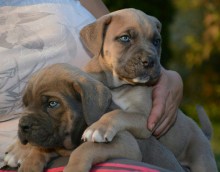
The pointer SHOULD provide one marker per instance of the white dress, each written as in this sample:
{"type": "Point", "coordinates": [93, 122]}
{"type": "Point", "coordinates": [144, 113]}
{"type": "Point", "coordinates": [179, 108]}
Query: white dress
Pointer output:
{"type": "Point", "coordinates": [34, 34]}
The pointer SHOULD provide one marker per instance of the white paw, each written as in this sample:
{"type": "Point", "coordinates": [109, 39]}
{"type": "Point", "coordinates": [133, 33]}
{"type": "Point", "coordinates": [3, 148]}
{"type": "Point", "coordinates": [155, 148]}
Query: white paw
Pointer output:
{"type": "Point", "coordinates": [16, 154]}
{"type": "Point", "coordinates": [11, 160]}
{"type": "Point", "coordinates": [93, 136]}
{"type": "Point", "coordinates": [99, 133]}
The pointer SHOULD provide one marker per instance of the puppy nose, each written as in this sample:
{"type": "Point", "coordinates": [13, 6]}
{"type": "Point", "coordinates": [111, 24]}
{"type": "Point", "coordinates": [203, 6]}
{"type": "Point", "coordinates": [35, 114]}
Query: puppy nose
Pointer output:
{"type": "Point", "coordinates": [25, 124]}
{"type": "Point", "coordinates": [148, 62]}
{"type": "Point", "coordinates": [25, 128]}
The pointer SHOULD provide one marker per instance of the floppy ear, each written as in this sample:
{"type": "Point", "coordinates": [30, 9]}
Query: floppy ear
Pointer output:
{"type": "Point", "coordinates": [96, 98]}
{"type": "Point", "coordinates": [93, 34]}
{"type": "Point", "coordinates": [25, 96]}
{"type": "Point", "coordinates": [27, 93]}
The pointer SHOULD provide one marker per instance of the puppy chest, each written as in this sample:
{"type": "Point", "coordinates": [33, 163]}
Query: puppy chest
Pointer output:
{"type": "Point", "coordinates": [133, 99]}
{"type": "Point", "coordinates": [120, 100]}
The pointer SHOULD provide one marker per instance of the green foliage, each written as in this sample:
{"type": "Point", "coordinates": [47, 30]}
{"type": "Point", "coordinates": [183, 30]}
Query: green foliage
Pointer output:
{"type": "Point", "coordinates": [195, 43]}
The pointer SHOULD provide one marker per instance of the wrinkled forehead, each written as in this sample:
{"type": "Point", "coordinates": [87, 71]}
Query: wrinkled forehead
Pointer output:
{"type": "Point", "coordinates": [44, 82]}
{"type": "Point", "coordinates": [123, 20]}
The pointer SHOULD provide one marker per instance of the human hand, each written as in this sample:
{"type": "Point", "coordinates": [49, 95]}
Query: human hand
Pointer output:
{"type": "Point", "coordinates": [167, 95]}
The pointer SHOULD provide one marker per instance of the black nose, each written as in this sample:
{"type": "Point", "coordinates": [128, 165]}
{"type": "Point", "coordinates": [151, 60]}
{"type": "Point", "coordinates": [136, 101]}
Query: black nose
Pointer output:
{"type": "Point", "coordinates": [25, 124]}
{"type": "Point", "coordinates": [148, 63]}
{"type": "Point", "coordinates": [25, 128]}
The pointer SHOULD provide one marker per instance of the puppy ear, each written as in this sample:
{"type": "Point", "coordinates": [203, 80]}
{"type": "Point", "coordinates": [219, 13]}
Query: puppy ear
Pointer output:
{"type": "Point", "coordinates": [158, 24]}
{"type": "Point", "coordinates": [93, 34]}
{"type": "Point", "coordinates": [26, 94]}
{"type": "Point", "coordinates": [25, 98]}
{"type": "Point", "coordinates": [96, 98]}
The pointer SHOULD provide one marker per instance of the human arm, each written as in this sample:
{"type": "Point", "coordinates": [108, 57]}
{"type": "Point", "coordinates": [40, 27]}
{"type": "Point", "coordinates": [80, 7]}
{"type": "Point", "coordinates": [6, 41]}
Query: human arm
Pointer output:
{"type": "Point", "coordinates": [96, 7]}
{"type": "Point", "coordinates": [167, 95]}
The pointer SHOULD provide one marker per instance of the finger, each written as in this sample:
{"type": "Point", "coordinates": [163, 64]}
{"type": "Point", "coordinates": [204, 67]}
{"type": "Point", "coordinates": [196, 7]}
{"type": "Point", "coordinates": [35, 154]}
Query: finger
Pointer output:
{"type": "Point", "coordinates": [160, 131]}
{"type": "Point", "coordinates": [158, 107]}
{"type": "Point", "coordinates": [167, 121]}
{"type": "Point", "coordinates": [157, 112]}
{"type": "Point", "coordinates": [164, 127]}
{"type": "Point", "coordinates": [161, 124]}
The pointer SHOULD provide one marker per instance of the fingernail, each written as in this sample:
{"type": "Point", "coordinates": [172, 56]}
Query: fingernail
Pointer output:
{"type": "Point", "coordinates": [151, 126]}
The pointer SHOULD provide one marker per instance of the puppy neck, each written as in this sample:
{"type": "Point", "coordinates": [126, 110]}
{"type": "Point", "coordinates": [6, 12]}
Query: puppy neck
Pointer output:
{"type": "Point", "coordinates": [101, 71]}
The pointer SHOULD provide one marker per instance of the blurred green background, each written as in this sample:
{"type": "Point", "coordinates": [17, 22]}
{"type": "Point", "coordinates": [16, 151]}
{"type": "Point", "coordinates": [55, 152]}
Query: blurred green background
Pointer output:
{"type": "Point", "coordinates": [191, 46]}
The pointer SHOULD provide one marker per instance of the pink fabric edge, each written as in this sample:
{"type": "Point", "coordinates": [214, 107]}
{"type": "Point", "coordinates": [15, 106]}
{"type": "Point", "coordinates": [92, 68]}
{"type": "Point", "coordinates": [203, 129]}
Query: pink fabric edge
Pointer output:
{"type": "Point", "coordinates": [119, 165]}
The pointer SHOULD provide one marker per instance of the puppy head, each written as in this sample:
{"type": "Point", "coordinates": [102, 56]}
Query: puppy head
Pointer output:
{"type": "Point", "coordinates": [129, 41]}
{"type": "Point", "coordinates": [59, 102]}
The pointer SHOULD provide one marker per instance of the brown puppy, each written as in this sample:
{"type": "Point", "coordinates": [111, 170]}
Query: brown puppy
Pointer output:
{"type": "Point", "coordinates": [127, 48]}
{"type": "Point", "coordinates": [59, 103]}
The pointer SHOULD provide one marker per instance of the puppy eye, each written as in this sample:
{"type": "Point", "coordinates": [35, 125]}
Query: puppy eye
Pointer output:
{"type": "Point", "coordinates": [156, 42]}
{"type": "Point", "coordinates": [53, 104]}
{"type": "Point", "coordinates": [124, 38]}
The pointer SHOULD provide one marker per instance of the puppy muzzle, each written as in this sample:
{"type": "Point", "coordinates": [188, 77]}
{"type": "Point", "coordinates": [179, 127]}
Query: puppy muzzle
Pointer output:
{"type": "Point", "coordinates": [140, 66]}
{"type": "Point", "coordinates": [38, 132]}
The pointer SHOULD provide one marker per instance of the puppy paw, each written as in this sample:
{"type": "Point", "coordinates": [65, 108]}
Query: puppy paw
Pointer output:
{"type": "Point", "coordinates": [36, 160]}
{"type": "Point", "coordinates": [31, 165]}
{"type": "Point", "coordinates": [16, 154]}
{"type": "Point", "coordinates": [99, 132]}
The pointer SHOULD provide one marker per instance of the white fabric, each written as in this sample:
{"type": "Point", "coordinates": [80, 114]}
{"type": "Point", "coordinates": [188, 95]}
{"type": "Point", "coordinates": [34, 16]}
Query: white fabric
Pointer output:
{"type": "Point", "coordinates": [34, 34]}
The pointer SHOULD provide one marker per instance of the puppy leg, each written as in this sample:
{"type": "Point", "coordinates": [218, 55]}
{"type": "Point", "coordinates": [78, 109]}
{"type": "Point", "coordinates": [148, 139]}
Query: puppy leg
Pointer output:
{"type": "Point", "coordinates": [112, 122]}
{"type": "Point", "coordinates": [153, 152]}
{"type": "Point", "coordinates": [122, 146]}
{"type": "Point", "coordinates": [28, 157]}
{"type": "Point", "coordinates": [16, 154]}
{"type": "Point", "coordinates": [36, 160]}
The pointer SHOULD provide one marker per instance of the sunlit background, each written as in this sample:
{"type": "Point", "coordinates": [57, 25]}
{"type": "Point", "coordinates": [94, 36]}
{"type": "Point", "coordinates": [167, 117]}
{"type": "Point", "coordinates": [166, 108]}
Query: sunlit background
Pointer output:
{"type": "Point", "coordinates": [191, 46]}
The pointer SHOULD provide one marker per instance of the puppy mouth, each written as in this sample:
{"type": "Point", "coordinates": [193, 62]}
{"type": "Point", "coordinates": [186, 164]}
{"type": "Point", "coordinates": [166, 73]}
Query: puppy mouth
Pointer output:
{"type": "Point", "coordinates": [134, 72]}
{"type": "Point", "coordinates": [146, 80]}
{"type": "Point", "coordinates": [24, 141]}
{"type": "Point", "coordinates": [142, 79]}
{"type": "Point", "coordinates": [46, 141]}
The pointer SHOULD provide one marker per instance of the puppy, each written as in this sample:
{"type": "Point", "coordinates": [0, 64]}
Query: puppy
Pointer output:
{"type": "Point", "coordinates": [59, 103]}
{"type": "Point", "coordinates": [127, 49]}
